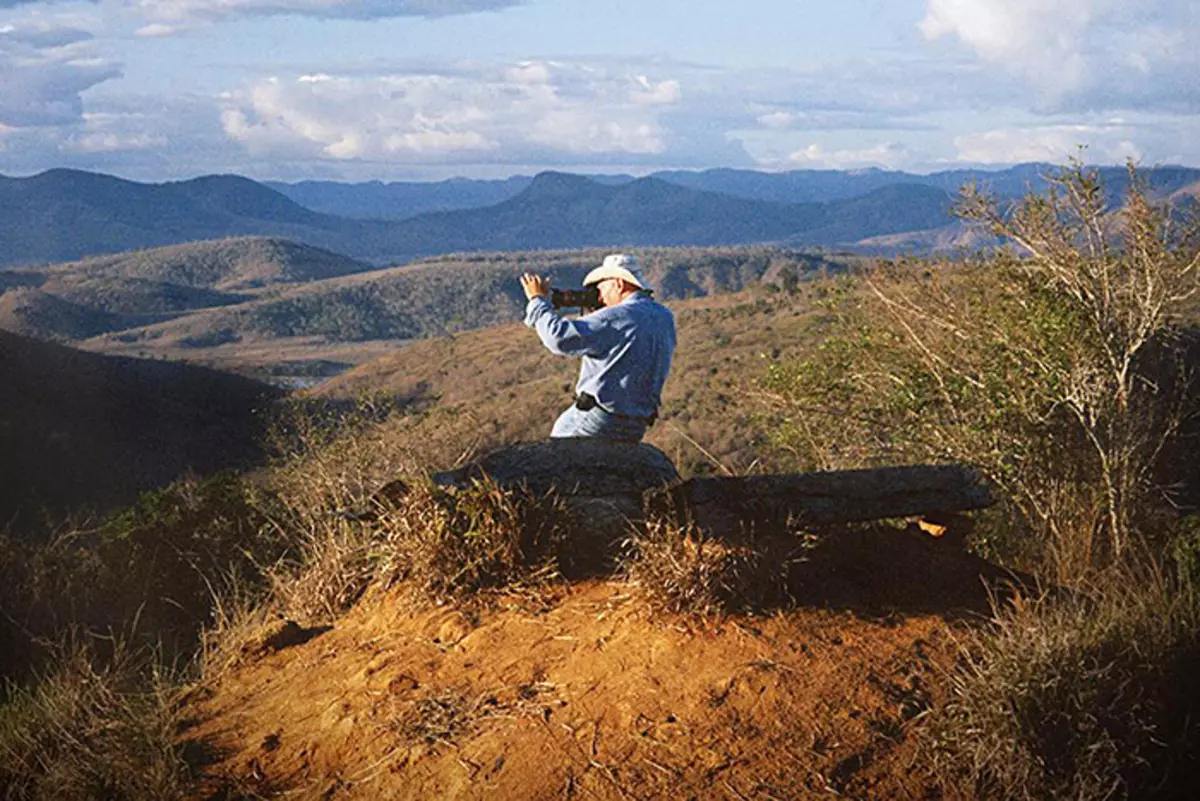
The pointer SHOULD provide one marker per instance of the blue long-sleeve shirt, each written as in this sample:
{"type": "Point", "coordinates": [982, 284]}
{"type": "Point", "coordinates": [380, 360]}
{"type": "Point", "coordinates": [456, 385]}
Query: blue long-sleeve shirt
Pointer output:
{"type": "Point", "coordinates": [626, 350]}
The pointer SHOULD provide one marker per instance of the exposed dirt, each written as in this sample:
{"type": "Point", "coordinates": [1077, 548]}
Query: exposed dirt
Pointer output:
{"type": "Point", "coordinates": [588, 694]}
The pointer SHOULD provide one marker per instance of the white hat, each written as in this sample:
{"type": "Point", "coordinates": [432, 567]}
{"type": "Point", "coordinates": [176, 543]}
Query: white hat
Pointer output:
{"type": "Point", "coordinates": [618, 265]}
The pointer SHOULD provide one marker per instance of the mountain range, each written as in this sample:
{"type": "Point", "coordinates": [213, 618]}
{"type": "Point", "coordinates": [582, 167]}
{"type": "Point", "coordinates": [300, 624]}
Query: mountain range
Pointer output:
{"type": "Point", "coordinates": [64, 215]}
{"type": "Point", "coordinates": [399, 200]}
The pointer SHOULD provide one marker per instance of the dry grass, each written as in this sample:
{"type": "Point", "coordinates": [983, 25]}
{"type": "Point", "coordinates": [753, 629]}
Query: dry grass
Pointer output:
{"type": "Point", "coordinates": [681, 570]}
{"type": "Point", "coordinates": [93, 729]}
{"type": "Point", "coordinates": [1089, 696]}
{"type": "Point", "coordinates": [453, 544]}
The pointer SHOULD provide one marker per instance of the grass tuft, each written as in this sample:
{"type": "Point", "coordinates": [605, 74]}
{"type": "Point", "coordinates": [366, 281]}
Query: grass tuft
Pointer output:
{"type": "Point", "coordinates": [93, 728]}
{"type": "Point", "coordinates": [1089, 696]}
{"type": "Point", "coordinates": [454, 543]}
{"type": "Point", "coordinates": [681, 570]}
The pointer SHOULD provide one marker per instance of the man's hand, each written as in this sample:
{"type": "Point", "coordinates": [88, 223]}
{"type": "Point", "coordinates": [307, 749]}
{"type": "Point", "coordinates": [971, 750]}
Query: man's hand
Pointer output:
{"type": "Point", "coordinates": [535, 286]}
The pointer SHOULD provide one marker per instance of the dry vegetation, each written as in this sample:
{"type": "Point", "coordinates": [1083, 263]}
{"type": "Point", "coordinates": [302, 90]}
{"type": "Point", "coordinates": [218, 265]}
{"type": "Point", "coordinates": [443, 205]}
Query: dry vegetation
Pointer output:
{"type": "Point", "coordinates": [1060, 369]}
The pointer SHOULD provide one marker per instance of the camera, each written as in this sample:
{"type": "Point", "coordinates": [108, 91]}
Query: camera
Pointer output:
{"type": "Point", "coordinates": [584, 299]}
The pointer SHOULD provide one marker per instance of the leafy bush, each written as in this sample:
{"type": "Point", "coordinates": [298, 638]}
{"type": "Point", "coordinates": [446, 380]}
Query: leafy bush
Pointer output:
{"type": "Point", "coordinates": [1056, 367]}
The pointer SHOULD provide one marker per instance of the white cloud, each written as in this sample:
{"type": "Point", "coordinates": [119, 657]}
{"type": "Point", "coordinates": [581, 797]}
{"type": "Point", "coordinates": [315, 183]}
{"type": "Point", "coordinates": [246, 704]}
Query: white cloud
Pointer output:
{"type": "Point", "coordinates": [548, 108]}
{"type": "Point", "coordinates": [1105, 144]}
{"type": "Point", "coordinates": [648, 93]}
{"type": "Point", "coordinates": [45, 71]}
{"type": "Point", "coordinates": [1097, 53]}
{"type": "Point", "coordinates": [148, 138]}
{"type": "Point", "coordinates": [890, 155]}
{"type": "Point", "coordinates": [175, 10]}
{"type": "Point", "coordinates": [156, 30]}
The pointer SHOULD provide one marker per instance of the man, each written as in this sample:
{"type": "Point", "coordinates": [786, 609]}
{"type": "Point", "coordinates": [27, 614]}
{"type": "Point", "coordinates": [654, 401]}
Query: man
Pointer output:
{"type": "Point", "coordinates": [626, 347]}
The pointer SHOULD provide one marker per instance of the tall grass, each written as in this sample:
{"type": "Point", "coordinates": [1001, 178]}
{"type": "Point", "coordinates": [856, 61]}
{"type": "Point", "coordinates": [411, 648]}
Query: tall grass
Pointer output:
{"type": "Point", "coordinates": [1087, 696]}
{"type": "Point", "coordinates": [94, 728]}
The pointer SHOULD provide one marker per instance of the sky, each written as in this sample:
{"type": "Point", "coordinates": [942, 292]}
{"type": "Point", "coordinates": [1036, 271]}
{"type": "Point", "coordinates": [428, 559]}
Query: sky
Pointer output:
{"type": "Point", "coordinates": [356, 90]}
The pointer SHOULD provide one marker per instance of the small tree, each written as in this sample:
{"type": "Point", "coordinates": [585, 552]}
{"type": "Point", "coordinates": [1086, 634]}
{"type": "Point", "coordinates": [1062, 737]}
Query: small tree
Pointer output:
{"type": "Point", "coordinates": [1041, 361]}
{"type": "Point", "coordinates": [1126, 277]}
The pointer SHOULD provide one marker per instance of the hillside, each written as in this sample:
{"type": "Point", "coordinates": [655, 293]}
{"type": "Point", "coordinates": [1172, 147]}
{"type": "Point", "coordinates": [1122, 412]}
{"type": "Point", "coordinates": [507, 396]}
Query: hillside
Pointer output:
{"type": "Point", "coordinates": [227, 265]}
{"type": "Point", "coordinates": [77, 300]}
{"type": "Point", "coordinates": [33, 312]}
{"type": "Point", "coordinates": [357, 626]}
{"type": "Point", "coordinates": [82, 430]}
{"type": "Point", "coordinates": [437, 297]}
{"type": "Point", "coordinates": [584, 688]}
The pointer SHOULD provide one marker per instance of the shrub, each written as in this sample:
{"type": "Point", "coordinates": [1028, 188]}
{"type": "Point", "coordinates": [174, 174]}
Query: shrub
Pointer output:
{"type": "Point", "coordinates": [158, 562]}
{"type": "Point", "coordinates": [1091, 696]}
{"type": "Point", "coordinates": [1055, 366]}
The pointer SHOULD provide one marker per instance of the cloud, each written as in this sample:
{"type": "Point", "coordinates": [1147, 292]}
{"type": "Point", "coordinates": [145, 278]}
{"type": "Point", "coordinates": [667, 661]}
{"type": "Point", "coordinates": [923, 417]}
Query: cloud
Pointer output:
{"type": "Point", "coordinates": [45, 72]}
{"type": "Point", "coordinates": [1078, 53]}
{"type": "Point", "coordinates": [156, 30]}
{"type": "Point", "coordinates": [41, 37]}
{"type": "Point", "coordinates": [175, 10]}
{"type": "Point", "coordinates": [890, 155]}
{"type": "Point", "coordinates": [144, 137]}
{"type": "Point", "coordinates": [1105, 144]}
{"type": "Point", "coordinates": [541, 109]}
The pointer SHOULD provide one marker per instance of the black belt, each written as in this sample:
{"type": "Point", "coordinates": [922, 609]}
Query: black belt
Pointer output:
{"type": "Point", "coordinates": [585, 402]}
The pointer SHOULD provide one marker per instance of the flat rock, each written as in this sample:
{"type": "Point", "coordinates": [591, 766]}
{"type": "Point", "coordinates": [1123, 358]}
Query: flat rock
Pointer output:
{"type": "Point", "coordinates": [581, 466]}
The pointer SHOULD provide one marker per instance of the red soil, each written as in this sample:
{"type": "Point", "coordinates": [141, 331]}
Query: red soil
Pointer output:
{"type": "Point", "coordinates": [588, 695]}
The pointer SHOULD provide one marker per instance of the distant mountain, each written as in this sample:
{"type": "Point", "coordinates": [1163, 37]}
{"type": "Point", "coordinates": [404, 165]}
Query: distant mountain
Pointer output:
{"type": "Point", "coordinates": [888, 210]}
{"type": "Point", "coordinates": [81, 429]}
{"type": "Point", "coordinates": [375, 200]}
{"type": "Point", "coordinates": [806, 186]}
{"type": "Point", "coordinates": [64, 215]}
{"type": "Point", "coordinates": [559, 210]}
{"type": "Point", "coordinates": [399, 200]}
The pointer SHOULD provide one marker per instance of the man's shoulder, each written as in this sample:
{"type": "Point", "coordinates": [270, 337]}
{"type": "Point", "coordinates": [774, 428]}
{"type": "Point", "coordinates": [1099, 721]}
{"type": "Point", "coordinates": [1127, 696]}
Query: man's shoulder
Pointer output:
{"type": "Point", "coordinates": [654, 307]}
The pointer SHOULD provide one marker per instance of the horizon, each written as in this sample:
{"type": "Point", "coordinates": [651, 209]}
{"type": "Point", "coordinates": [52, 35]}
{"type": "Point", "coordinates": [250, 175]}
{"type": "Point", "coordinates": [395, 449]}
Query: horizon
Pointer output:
{"type": "Point", "coordinates": [993, 168]}
{"type": "Point", "coordinates": [427, 90]}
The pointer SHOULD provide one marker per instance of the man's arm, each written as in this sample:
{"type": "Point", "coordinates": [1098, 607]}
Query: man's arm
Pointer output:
{"type": "Point", "coordinates": [561, 336]}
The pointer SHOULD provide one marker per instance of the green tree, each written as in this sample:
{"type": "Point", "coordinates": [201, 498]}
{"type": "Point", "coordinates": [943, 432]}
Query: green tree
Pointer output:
{"type": "Point", "coordinates": [1052, 362]}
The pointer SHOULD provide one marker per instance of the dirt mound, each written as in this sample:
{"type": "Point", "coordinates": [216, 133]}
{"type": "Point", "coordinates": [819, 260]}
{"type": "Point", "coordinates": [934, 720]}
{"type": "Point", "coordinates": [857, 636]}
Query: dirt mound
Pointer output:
{"type": "Point", "coordinates": [587, 692]}
{"type": "Point", "coordinates": [590, 698]}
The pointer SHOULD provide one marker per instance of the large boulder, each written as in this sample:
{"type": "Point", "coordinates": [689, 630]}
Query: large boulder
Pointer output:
{"type": "Point", "coordinates": [601, 481]}
{"type": "Point", "coordinates": [576, 466]}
